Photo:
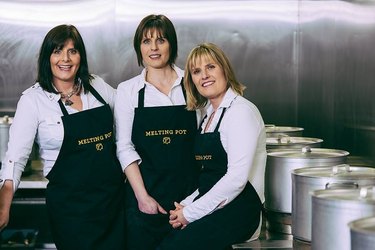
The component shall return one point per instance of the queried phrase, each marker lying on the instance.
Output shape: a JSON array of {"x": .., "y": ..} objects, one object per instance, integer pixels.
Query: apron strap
[
  {"x": 62, "y": 107},
  {"x": 183, "y": 88},
  {"x": 141, "y": 94},
  {"x": 96, "y": 94},
  {"x": 219, "y": 122},
  {"x": 92, "y": 91},
  {"x": 200, "y": 125},
  {"x": 141, "y": 97}
]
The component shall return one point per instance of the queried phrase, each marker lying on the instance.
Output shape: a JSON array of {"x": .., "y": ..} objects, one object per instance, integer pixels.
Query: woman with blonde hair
[{"x": 230, "y": 147}]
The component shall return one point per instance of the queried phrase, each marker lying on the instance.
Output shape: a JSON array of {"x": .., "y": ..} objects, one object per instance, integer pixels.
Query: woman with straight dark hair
[
  {"x": 230, "y": 149},
  {"x": 154, "y": 135},
  {"x": 68, "y": 113}
]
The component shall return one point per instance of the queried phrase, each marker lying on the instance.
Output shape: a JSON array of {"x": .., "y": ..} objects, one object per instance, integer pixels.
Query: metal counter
[{"x": 35, "y": 180}]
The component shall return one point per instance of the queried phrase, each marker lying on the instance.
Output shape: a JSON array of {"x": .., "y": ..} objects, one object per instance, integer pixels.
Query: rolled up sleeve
[
  {"x": 21, "y": 139},
  {"x": 124, "y": 117}
]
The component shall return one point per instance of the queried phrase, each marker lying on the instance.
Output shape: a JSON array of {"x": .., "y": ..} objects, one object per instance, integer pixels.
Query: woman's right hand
[
  {"x": 4, "y": 218},
  {"x": 149, "y": 205},
  {"x": 6, "y": 196},
  {"x": 146, "y": 204}
]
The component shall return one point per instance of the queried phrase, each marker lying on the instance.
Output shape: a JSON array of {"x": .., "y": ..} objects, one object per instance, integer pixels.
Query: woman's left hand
[{"x": 176, "y": 217}]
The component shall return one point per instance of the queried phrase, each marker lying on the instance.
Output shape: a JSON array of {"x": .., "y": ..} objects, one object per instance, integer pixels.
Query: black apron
[
  {"x": 164, "y": 139},
  {"x": 233, "y": 223},
  {"x": 84, "y": 195}
]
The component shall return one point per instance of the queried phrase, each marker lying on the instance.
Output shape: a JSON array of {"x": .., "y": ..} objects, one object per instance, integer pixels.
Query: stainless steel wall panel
[
  {"x": 305, "y": 63},
  {"x": 337, "y": 71}
]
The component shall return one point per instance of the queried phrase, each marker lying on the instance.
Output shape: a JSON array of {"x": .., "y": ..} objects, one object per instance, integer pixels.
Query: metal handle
[
  {"x": 5, "y": 119},
  {"x": 364, "y": 192},
  {"x": 343, "y": 185},
  {"x": 269, "y": 125},
  {"x": 306, "y": 150},
  {"x": 341, "y": 168},
  {"x": 283, "y": 138}
]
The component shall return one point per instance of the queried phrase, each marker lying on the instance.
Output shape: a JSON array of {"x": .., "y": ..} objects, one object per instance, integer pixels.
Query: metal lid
[
  {"x": 281, "y": 129},
  {"x": 342, "y": 171},
  {"x": 363, "y": 225},
  {"x": 287, "y": 140},
  {"x": 362, "y": 195},
  {"x": 307, "y": 153}
]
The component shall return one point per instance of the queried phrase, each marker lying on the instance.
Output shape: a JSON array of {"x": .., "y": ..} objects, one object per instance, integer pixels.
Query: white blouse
[
  {"x": 38, "y": 117},
  {"x": 243, "y": 136},
  {"x": 127, "y": 101}
]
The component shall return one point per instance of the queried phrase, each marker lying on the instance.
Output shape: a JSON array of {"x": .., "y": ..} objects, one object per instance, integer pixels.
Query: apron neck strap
[
  {"x": 96, "y": 94},
  {"x": 221, "y": 118},
  {"x": 62, "y": 107},
  {"x": 218, "y": 123}
]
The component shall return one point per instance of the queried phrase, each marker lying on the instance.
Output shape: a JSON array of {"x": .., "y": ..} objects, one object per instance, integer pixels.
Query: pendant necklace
[{"x": 67, "y": 96}]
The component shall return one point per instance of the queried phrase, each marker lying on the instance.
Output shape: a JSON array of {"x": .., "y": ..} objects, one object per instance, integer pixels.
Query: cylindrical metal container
[
  {"x": 285, "y": 142},
  {"x": 362, "y": 233},
  {"x": 332, "y": 210},
  {"x": 5, "y": 123},
  {"x": 278, "y": 180},
  {"x": 281, "y": 163},
  {"x": 274, "y": 131},
  {"x": 306, "y": 180}
]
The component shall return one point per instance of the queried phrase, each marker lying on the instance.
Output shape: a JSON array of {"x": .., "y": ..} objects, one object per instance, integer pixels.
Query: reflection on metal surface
[
  {"x": 305, "y": 63},
  {"x": 206, "y": 10},
  {"x": 45, "y": 13},
  {"x": 360, "y": 12}
]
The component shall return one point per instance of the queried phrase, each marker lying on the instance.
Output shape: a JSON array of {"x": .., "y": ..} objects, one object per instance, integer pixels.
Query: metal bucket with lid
[
  {"x": 284, "y": 141},
  {"x": 333, "y": 210},
  {"x": 307, "y": 180},
  {"x": 362, "y": 233},
  {"x": 274, "y": 131},
  {"x": 5, "y": 123},
  {"x": 279, "y": 167},
  {"x": 278, "y": 180}
]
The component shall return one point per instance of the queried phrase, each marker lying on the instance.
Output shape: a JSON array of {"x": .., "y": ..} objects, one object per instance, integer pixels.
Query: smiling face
[
  {"x": 209, "y": 79},
  {"x": 155, "y": 50},
  {"x": 65, "y": 63}
]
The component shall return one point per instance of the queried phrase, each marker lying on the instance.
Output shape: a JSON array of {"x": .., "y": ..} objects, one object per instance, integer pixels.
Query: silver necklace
[{"x": 67, "y": 96}]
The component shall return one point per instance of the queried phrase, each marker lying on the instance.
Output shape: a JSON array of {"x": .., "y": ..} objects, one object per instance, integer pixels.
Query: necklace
[{"x": 67, "y": 96}]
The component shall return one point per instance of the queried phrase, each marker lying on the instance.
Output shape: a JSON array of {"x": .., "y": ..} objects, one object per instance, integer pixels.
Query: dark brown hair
[
  {"x": 55, "y": 39},
  {"x": 166, "y": 29}
]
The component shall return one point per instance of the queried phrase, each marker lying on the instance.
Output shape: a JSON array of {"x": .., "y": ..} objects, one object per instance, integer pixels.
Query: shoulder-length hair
[
  {"x": 164, "y": 27},
  {"x": 211, "y": 51},
  {"x": 55, "y": 39}
]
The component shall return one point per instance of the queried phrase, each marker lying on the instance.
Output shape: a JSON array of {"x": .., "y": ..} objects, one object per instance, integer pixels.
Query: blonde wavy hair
[{"x": 212, "y": 52}]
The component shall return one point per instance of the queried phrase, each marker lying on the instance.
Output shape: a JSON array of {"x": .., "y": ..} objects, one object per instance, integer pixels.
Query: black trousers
[{"x": 232, "y": 224}]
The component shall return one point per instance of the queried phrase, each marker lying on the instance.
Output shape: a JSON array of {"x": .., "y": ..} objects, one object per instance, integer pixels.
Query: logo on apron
[
  {"x": 162, "y": 132},
  {"x": 99, "y": 147},
  {"x": 166, "y": 140}
]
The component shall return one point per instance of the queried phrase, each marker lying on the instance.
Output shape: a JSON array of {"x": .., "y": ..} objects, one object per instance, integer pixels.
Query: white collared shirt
[
  {"x": 127, "y": 101},
  {"x": 242, "y": 134},
  {"x": 38, "y": 116}
]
